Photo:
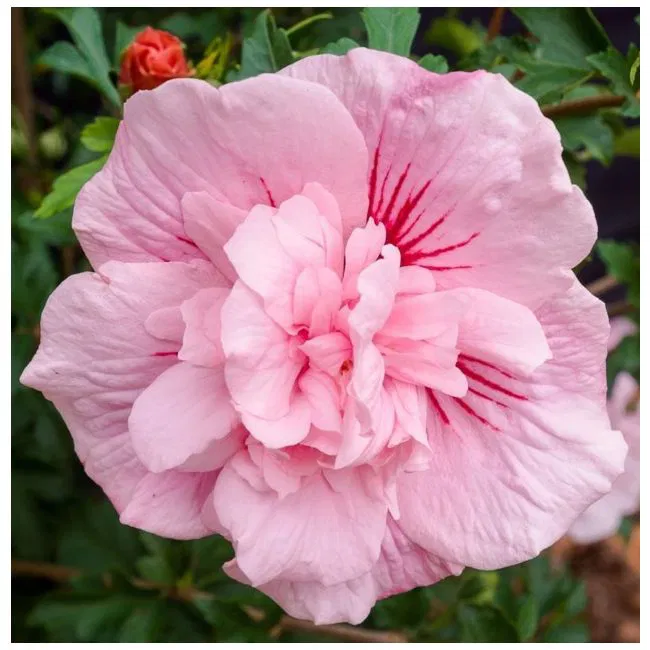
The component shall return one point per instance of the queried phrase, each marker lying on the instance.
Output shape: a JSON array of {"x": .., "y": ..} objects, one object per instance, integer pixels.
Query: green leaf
[
  {"x": 567, "y": 633},
  {"x": 576, "y": 602},
  {"x": 567, "y": 35},
  {"x": 628, "y": 143},
  {"x": 94, "y": 540},
  {"x": 156, "y": 569},
  {"x": 623, "y": 262},
  {"x": 124, "y": 35},
  {"x": 617, "y": 69},
  {"x": 625, "y": 358},
  {"x": 484, "y": 625},
  {"x": 267, "y": 49},
  {"x": 625, "y": 529},
  {"x": 635, "y": 69},
  {"x": 55, "y": 231},
  {"x": 67, "y": 186},
  {"x": 588, "y": 133},
  {"x": 391, "y": 29},
  {"x": 78, "y": 616},
  {"x": 577, "y": 170},
  {"x": 99, "y": 135},
  {"x": 453, "y": 35},
  {"x": 205, "y": 25},
  {"x": 66, "y": 58},
  {"x": 546, "y": 81},
  {"x": 434, "y": 63},
  {"x": 143, "y": 623},
  {"x": 85, "y": 27},
  {"x": 340, "y": 47},
  {"x": 527, "y": 619},
  {"x": 400, "y": 611}
]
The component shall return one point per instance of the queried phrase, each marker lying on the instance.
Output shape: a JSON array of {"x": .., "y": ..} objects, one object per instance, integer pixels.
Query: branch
[
  {"x": 602, "y": 285},
  {"x": 494, "y": 26},
  {"x": 342, "y": 632},
  {"x": 58, "y": 573},
  {"x": 618, "y": 308},
  {"x": 21, "y": 83},
  {"x": 581, "y": 106}
]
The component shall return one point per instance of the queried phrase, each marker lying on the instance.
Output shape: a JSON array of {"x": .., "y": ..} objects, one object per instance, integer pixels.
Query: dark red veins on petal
[
  {"x": 165, "y": 354},
  {"x": 467, "y": 357},
  {"x": 444, "y": 268},
  {"x": 418, "y": 255},
  {"x": 478, "y": 393},
  {"x": 372, "y": 184},
  {"x": 468, "y": 409},
  {"x": 471, "y": 374},
  {"x": 393, "y": 197},
  {"x": 405, "y": 247},
  {"x": 436, "y": 405},
  {"x": 268, "y": 193},
  {"x": 185, "y": 240},
  {"x": 394, "y": 231}
]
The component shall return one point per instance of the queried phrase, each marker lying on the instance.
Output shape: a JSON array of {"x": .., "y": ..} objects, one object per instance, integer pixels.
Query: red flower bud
[{"x": 153, "y": 57}]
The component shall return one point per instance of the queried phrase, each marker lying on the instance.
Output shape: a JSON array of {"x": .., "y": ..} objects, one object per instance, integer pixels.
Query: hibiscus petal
[
  {"x": 310, "y": 535},
  {"x": 96, "y": 356},
  {"x": 500, "y": 331},
  {"x": 322, "y": 394},
  {"x": 328, "y": 352},
  {"x": 404, "y": 565},
  {"x": 170, "y": 504},
  {"x": 377, "y": 285},
  {"x": 256, "y": 141},
  {"x": 290, "y": 429},
  {"x": 179, "y": 415},
  {"x": 210, "y": 224},
  {"x": 465, "y": 172},
  {"x": 261, "y": 368},
  {"x": 620, "y": 327},
  {"x": 202, "y": 336},
  {"x": 518, "y": 460},
  {"x": 362, "y": 248},
  {"x": 345, "y": 602}
]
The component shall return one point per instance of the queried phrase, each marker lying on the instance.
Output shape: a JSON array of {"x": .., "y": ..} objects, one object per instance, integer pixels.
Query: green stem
[{"x": 308, "y": 21}]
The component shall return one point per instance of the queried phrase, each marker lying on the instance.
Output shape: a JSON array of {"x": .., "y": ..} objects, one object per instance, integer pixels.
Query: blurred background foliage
[{"x": 78, "y": 575}]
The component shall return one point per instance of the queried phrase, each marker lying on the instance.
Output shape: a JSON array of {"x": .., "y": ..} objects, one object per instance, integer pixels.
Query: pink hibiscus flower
[
  {"x": 603, "y": 518},
  {"x": 334, "y": 320}
]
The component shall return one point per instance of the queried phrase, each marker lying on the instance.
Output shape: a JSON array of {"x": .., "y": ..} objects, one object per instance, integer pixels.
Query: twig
[
  {"x": 342, "y": 632},
  {"x": 580, "y": 106},
  {"x": 618, "y": 308},
  {"x": 58, "y": 573},
  {"x": 21, "y": 83},
  {"x": 68, "y": 254},
  {"x": 602, "y": 285},
  {"x": 494, "y": 26}
]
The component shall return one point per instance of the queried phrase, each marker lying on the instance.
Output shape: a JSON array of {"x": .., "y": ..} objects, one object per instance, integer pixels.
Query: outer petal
[
  {"x": 250, "y": 142},
  {"x": 465, "y": 172},
  {"x": 170, "y": 504},
  {"x": 602, "y": 519},
  {"x": 310, "y": 535},
  {"x": 403, "y": 565},
  {"x": 179, "y": 415},
  {"x": 620, "y": 328},
  {"x": 96, "y": 356},
  {"x": 349, "y": 601},
  {"x": 518, "y": 459}
]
